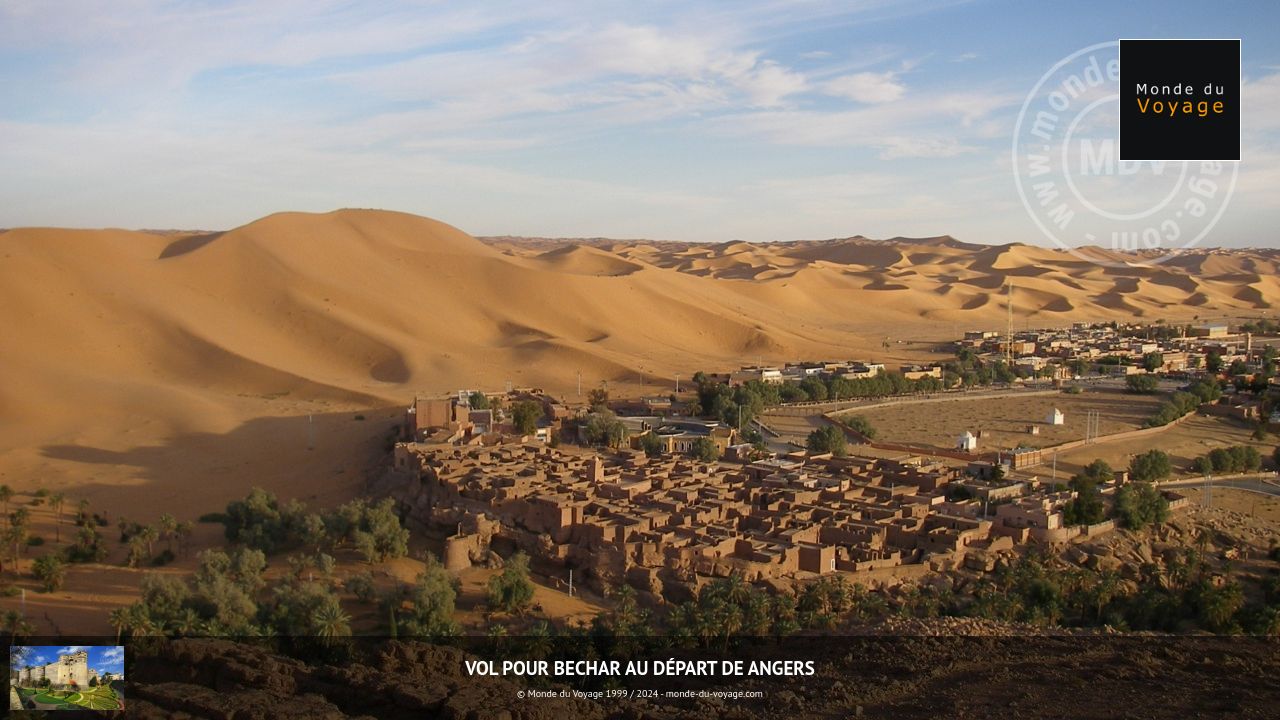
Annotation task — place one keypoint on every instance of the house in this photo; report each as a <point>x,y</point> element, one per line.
<point>1211,330</point>
<point>1055,417</point>
<point>967,442</point>
<point>763,374</point>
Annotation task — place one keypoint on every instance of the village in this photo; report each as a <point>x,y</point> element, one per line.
<point>636,491</point>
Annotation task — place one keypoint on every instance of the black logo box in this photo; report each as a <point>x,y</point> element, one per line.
<point>1186,69</point>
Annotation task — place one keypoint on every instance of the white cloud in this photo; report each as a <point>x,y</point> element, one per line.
<point>72,649</point>
<point>867,87</point>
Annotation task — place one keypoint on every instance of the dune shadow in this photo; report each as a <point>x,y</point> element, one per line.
<point>303,455</point>
<point>188,244</point>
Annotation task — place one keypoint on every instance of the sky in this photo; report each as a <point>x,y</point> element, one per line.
<point>103,658</point>
<point>704,121</point>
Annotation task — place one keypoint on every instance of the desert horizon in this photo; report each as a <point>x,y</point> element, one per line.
<point>188,334</point>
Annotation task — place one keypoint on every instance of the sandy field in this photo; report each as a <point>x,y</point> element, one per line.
<point>154,373</point>
<point>1004,421</point>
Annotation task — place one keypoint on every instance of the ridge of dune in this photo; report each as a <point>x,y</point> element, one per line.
<point>169,347</point>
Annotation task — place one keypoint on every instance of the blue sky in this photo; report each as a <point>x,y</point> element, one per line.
<point>103,658</point>
<point>668,120</point>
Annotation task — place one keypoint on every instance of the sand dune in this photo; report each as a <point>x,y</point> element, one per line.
<point>136,364</point>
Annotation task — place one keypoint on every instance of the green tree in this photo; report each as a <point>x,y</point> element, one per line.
<point>651,444</point>
<point>329,620</point>
<point>827,438</point>
<point>862,425</point>
<point>1152,361</point>
<point>1142,384</point>
<point>15,623</point>
<point>361,585</point>
<point>1086,508</point>
<point>168,527</point>
<point>6,494</point>
<point>598,399</point>
<point>1150,466</point>
<point>119,619</point>
<point>56,501</point>
<point>604,428</point>
<point>1140,504</point>
<point>705,450</point>
<point>478,401</point>
<point>511,591</point>
<point>433,598</point>
<point>525,415</point>
<point>50,571</point>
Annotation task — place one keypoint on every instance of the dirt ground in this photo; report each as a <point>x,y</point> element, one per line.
<point>1255,505</point>
<point>1004,421</point>
<point>1184,442</point>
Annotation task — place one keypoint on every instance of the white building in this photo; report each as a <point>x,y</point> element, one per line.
<point>968,442</point>
<point>1055,417</point>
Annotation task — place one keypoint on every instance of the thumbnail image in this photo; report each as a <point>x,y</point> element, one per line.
<point>74,677</point>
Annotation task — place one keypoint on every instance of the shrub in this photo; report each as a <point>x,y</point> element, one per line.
<point>35,541</point>
<point>862,425</point>
<point>216,518</point>
<point>1142,384</point>
<point>361,585</point>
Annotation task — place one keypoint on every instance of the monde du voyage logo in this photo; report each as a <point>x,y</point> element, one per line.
<point>1129,145</point>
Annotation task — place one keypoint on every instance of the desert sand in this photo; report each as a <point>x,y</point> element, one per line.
<point>170,372</point>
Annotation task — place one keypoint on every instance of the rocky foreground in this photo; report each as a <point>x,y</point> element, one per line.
<point>992,670</point>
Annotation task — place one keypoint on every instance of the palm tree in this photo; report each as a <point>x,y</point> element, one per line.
<point>55,501</point>
<point>16,624</point>
<point>121,619</point>
<point>187,623</point>
<point>140,622</point>
<point>330,621</point>
<point>168,528</point>
<point>183,532</point>
<point>137,550</point>
<point>82,514</point>
<point>6,494</point>
<point>149,536</point>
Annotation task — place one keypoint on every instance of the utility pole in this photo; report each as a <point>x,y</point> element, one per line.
<point>570,582</point>
<point>579,383</point>
<point>1008,337</point>
<point>311,432</point>
<point>677,383</point>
